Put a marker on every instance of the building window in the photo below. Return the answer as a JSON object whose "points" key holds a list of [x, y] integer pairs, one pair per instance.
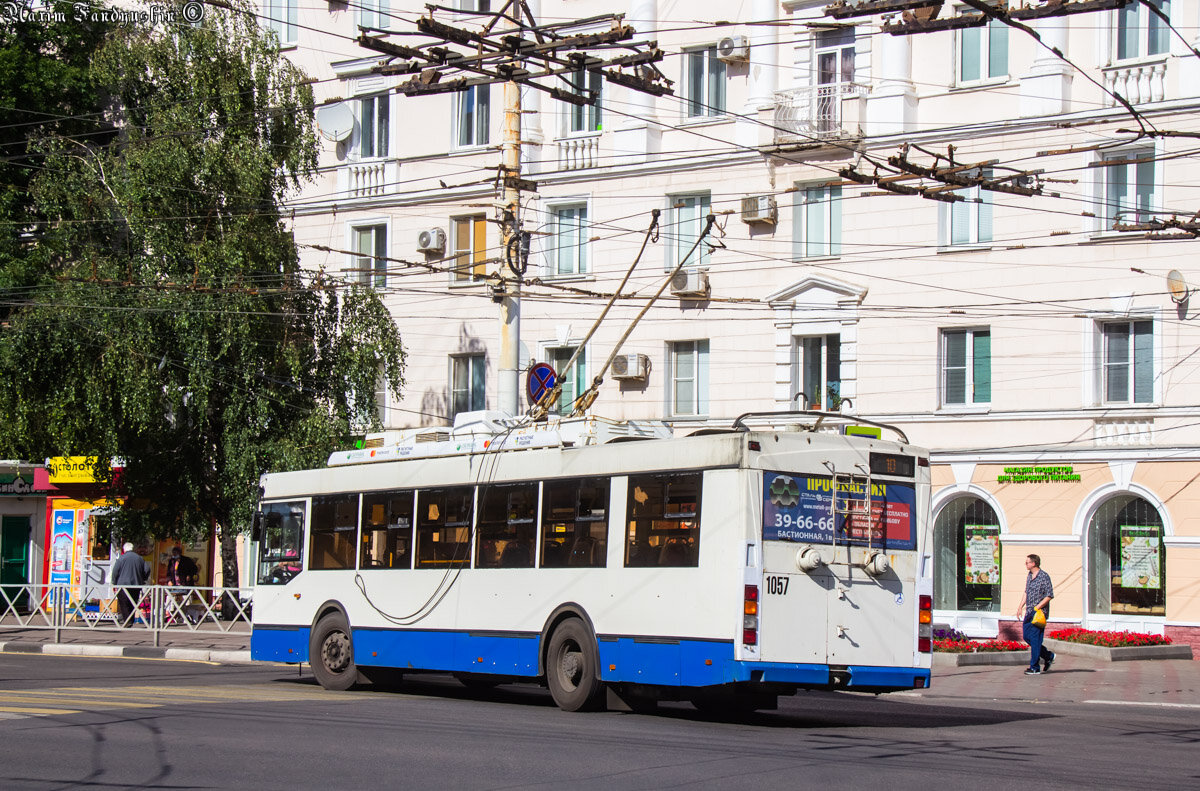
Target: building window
{"points": [[819, 371], [1140, 32], [373, 120], [1127, 565], [818, 221], [370, 255], [375, 14], [966, 547], [584, 117], [470, 248], [573, 381], [834, 55], [704, 83], [1128, 362], [569, 255], [689, 378], [686, 219], [280, 16], [476, 6], [966, 367], [983, 52], [467, 383], [381, 399], [968, 221], [1126, 188], [472, 116]]}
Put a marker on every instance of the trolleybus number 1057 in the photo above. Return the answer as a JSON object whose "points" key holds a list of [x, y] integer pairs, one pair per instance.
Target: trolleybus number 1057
{"points": [[777, 586]]}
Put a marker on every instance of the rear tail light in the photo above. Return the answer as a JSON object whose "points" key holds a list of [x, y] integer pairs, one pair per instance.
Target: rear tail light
{"points": [[924, 624], [750, 615]]}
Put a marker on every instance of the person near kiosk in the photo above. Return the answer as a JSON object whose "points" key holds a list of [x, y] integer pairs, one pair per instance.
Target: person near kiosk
{"points": [[129, 573]]}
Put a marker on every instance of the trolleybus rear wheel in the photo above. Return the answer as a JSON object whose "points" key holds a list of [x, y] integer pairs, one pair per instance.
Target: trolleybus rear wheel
{"points": [[331, 653], [571, 663]]}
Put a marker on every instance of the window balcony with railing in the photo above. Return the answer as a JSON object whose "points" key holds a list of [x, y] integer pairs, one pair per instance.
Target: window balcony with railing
{"points": [[1137, 82], [821, 112], [368, 179], [579, 151]]}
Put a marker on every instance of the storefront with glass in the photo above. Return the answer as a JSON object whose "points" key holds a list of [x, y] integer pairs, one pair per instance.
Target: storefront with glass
{"points": [[1119, 537]]}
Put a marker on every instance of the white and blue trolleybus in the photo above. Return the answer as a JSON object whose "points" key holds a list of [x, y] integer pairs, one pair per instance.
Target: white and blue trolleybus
{"points": [[611, 561]]}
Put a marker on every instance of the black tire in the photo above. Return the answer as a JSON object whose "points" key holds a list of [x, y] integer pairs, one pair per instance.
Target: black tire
{"points": [[331, 653], [571, 667]]}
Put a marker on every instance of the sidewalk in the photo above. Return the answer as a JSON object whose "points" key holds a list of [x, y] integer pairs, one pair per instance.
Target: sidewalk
{"points": [[1164, 682], [203, 646]]}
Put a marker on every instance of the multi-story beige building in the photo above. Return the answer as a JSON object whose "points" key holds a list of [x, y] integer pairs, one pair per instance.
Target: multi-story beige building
{"points": [[1037, 351]]}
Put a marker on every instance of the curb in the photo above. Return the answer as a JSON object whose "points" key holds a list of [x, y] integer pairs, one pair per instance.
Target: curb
{"points": [[1121, 653], [129, 652], [981, 658]]}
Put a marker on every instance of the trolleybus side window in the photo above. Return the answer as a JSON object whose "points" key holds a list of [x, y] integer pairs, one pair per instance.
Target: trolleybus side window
{"points": [[280, 542], [664, 520], [334, 531], [575, 523], [444, 527], [505, 526], [387, 530]]}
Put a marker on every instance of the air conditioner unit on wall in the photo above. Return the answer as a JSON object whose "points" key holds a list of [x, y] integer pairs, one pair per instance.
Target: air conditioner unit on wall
{"points": [[760, 208], [432, 240], [690, 284], [631, 366], [733, 48]]}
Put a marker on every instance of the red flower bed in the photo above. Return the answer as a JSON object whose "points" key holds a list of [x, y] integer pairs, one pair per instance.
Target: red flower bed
{"points": [[1108, 639], [977, 646]]}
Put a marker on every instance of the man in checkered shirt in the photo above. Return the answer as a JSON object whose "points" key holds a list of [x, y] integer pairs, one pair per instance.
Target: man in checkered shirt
{"points": [[1039, 590]]}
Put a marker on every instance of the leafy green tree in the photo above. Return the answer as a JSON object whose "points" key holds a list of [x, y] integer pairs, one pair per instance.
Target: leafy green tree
{"points": [[161, 316]]}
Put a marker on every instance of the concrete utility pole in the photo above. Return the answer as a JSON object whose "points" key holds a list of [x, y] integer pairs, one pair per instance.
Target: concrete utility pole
{"points": [[540, 57]]}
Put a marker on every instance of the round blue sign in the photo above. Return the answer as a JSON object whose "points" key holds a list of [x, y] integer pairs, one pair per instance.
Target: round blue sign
{"points": [[542, 378]]}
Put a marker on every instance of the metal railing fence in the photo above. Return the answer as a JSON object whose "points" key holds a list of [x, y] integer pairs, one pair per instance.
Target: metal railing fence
{"points": [[154, 609]]}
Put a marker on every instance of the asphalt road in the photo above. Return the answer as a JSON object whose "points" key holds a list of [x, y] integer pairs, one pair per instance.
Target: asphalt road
{"points": [[75, 722]]}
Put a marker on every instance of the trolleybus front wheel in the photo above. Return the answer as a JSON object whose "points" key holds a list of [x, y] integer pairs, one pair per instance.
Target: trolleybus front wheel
{"points": [[571, 663], [331, 653]]}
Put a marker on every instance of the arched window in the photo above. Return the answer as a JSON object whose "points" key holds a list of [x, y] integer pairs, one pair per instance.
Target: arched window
{"points": [[1127, 567], [966, 546]]}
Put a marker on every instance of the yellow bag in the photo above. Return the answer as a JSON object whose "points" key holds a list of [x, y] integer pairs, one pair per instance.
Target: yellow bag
{"points": [[1039, 618]]}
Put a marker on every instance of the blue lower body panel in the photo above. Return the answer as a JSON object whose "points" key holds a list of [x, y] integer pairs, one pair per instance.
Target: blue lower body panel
{"points": [[638, 660], [279, 643]]}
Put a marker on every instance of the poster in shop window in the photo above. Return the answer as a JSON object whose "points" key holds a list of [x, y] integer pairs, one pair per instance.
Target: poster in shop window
{"points": [[981, 555], [1140, 564], [802, 508]]}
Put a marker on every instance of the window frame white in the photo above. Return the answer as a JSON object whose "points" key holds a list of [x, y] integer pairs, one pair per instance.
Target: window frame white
{"points": [[1105, 213], [1148, 27], [369, 276], [474, 98], [691, 219], [817, 205], [556, 353], [586, 119], [1102, 364], [971, 382], [677, 375], [552, 245], [375, 14], [476, 371], [985, 37], [800, 364], [714, 77], [377, 119], [977, 214], [279, 16]]}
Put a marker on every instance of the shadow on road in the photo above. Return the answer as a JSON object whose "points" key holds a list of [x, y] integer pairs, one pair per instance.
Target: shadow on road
{"points": [[800, 711]]}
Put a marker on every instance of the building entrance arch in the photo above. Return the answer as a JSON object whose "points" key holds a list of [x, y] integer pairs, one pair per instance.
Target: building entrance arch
{"points": [[1126, 564]]}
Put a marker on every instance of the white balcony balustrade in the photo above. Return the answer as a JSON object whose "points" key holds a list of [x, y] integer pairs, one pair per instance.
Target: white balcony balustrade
{"points": [[1137, 83], [579, 153], [367, 179], [817, 111]]}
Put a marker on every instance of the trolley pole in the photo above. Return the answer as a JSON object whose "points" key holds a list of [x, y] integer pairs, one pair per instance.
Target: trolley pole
{"points": [[509, 288]]}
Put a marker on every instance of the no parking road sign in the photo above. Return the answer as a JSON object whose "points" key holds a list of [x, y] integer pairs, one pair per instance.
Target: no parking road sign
{"points": [[541, 380]]}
